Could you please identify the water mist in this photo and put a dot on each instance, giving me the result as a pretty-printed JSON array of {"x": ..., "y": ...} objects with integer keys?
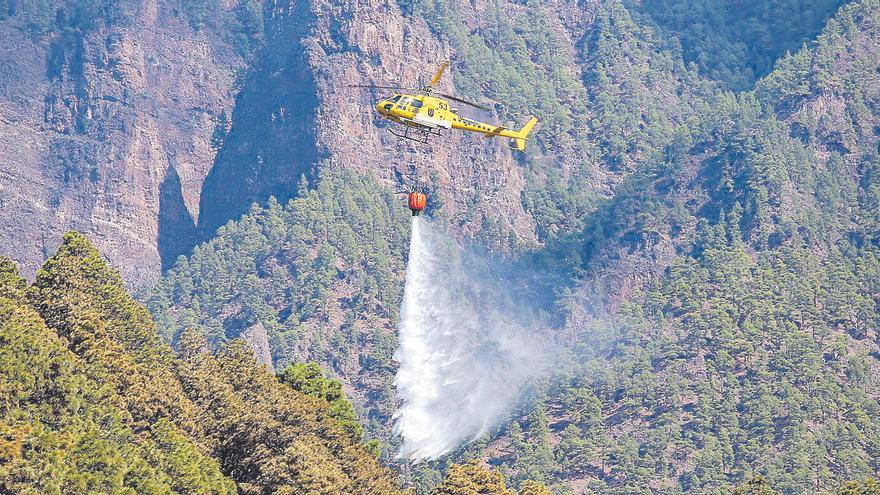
[{"x": 465, "y": 349}]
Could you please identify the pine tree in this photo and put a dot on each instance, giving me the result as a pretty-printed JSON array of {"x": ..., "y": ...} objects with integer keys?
[
  {"x": 64, "y": 429},
  {"x": 534, "y": 488},
  {"x": 755, "y": 486},
  {"x": 309, "y": 379},
  {"x": 471, "y": 479},
  {"x": 868, "y": 487}
]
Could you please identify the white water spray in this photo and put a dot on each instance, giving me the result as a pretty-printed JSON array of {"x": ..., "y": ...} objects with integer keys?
[{"x": 463, "y": 357}]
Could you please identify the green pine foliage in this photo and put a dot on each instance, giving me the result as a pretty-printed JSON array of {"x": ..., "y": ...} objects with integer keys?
[
  {"x": 755, "y": 486},
  {"x": 322, "y": 274},
  {"x": 93, "y": 401},
  {"x": 309, "y": 379},
  {"x": 643, "y": 97},
  {"x": 65, "y": 428},
  {"x": 738, "y": 232},
  {"x": 534, "y": 488},
  {"x": 736, "y": 42},
  {"x": 276, "y": 439},
  {"x": 471, "y": 479},
  {"x": 868, "y": 487}
]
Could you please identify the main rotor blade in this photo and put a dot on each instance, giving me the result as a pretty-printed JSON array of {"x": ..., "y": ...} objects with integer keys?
[
  {"x": 373, "y": 86},
  {"x": 439, "y": 73},
  {"x": 455, "y": 98}
]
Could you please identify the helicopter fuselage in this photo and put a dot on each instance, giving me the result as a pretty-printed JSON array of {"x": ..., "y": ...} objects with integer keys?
[
  {"x": 432, "y": 113},
  {"x": 425, "y": 114}
]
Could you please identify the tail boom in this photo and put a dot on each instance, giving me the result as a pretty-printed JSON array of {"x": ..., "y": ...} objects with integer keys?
[{"x": 519, "y": 137}]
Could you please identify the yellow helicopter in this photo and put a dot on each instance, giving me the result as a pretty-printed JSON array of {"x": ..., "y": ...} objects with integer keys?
[{"x": 424, "y": 115}]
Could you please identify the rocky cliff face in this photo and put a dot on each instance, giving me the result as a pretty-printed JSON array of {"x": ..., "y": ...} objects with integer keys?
[
  {"x": 379, "y": 45},
  {"x": 107, "y": 130},
  {"x": 147, "y": 130},
  {"x": 313, "y": 53}
]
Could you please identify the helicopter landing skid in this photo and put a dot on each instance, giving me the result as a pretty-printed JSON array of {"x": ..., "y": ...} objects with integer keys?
[{"x": 418, "y": 135}]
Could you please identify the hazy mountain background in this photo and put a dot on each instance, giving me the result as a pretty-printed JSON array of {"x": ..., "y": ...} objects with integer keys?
[{"x": 698, "y": 214}]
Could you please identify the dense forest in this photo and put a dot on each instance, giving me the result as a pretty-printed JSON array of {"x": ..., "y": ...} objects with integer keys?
[
  {"x": 752, "y": 347},
  {"x": 702, "y": 201},
  {"x": 95, "y": 402},
  {"x": 735, "y": 43},
  {"x": 323, "y": 288}
]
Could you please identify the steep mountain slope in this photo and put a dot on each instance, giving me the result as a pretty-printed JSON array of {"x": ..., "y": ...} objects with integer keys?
[
  {"x": 723, "y": 300},
  {"x": 736, "y": 42},
  {"x": 108, "y": 109},
  {"x": 94, "y": 402},
  {"x": 750, "y": 342},
  {"x": 475, "y": 178},
  {"x": 713, "y": 255},
  {"x": 150, "y": 124},
  {"x": 161, "y": 121},
  {"x": 319, "y": 278}
]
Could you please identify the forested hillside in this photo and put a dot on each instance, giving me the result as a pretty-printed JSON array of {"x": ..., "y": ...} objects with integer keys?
[
  {"x": 745, "y": 340},
  {"x": 722, "y": 300},
  {"x": 318, "y": 277},
  {"x": 736, "y": 43},
  {"x": 697, "y": 218},
  {"x": 95, "y": 402}
]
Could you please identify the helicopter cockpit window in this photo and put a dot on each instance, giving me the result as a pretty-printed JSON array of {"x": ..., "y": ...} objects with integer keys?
[
  {"x": 395, "y": 99},
  {"x": 417, "y": 104}
]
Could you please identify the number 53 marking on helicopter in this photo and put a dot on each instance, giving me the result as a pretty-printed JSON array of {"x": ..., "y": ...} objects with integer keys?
[{"x": 423, "y": 114}]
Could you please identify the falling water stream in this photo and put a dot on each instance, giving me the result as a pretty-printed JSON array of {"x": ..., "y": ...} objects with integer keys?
[{"x": 463, "y": 358}]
